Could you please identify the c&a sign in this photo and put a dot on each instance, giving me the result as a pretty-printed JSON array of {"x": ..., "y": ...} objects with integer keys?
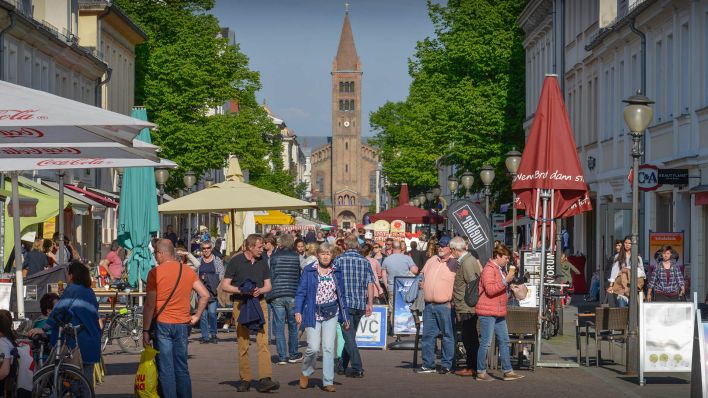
[{"x": 648, "y": 177}]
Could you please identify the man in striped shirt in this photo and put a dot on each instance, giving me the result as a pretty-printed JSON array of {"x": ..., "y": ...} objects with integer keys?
[{"x": 359, "y": 298}]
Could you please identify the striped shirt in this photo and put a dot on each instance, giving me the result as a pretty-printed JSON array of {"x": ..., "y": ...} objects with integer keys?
[{"x": 357, "y": 274}]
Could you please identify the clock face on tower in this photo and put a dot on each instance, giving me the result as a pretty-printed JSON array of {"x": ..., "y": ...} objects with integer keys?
[{"x": 346, "y": 123}]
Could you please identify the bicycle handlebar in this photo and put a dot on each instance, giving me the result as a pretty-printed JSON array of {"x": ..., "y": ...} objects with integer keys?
[{"x": 557, "y": 284}]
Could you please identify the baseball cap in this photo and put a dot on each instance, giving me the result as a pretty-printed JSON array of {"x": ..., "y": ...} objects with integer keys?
[{"x": 444, "y": 241}]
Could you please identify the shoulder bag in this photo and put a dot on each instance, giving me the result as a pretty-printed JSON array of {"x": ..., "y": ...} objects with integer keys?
[{"x": 153, "y": 325}]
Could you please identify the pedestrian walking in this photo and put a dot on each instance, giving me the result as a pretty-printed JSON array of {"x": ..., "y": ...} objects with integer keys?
[
  {"x": 310, "y": 254},
  {"x": 396, "y": 264},
  {"x": 167, "y": 312},
  {"x": 437, "y": 283},
  {"x": 666, "y": 283},
  {"x": 77, "y": 305},
  {"x": 210, "y": 269},
  {"x": 619, "y": 288},
  {"x": 491, "y": 310},
  {"x": 285, "y": 277},
  {"x": 358, "y": 293},
  {"x": 319, "y": 307},
  {"x": 468, "y": 270},
  {"x": 250, "y": 272}
]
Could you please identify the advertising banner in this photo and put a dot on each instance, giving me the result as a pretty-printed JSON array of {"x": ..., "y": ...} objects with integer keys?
[
  {"x": 666, "y": 337},
  {"x": 398, "y": 230},
  {"x": 373, "y": 329},
  {"x": 469, "y": 219},
  {"x": 659, "y": 239},
  {"x": 403, "y": 321}
]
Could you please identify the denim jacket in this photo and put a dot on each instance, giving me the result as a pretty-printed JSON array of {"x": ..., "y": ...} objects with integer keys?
[{"x": 307, "y": 293}]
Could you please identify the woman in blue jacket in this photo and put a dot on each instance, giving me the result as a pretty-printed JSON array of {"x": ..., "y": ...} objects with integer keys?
[{"x": 319, "y": 305}]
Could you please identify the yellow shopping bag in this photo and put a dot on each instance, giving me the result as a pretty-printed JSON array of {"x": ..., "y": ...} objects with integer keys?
[{"x": 146, "y": 378}]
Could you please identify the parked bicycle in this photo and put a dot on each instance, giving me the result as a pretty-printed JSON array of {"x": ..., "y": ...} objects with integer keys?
[
  {"x": 552, "y": 294},
  {"x": 124, "y": 325},
  {"x": 61, "y": 375}
]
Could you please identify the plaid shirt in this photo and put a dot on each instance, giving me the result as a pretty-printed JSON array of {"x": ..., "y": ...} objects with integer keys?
[
  {"x": 357, "y": 274},
  {"x": 658, "y": 281}
]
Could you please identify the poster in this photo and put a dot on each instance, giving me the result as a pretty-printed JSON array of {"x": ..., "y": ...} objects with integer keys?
[
  {"x": 666, "y": 336},
  {"x": 403, "y": 321},
  {"x": 373, "y": 329},
  {"x": 531, "y": 264},
  {"x": 659, "y": 239}
]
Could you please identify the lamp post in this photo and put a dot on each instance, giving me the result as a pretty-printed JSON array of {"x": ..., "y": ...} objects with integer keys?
[
  {"x": 189, "y": 180},
  {"x": 487, "y": 176},
  {"x": 208, "y": 181},
  {"x": 161, "y": 176},
  {"x": 452, "y": 185},
  {"x": 467, "y": 181},
  {"x": 637, "y": 116},
  {"x": 513, "y": 159}
]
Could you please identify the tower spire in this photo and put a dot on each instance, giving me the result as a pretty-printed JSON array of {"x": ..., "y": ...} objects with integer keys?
[{"x": 347, "y": 58}]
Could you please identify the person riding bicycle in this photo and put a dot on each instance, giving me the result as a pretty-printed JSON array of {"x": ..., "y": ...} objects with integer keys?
[{"x": 78, "y": 306}]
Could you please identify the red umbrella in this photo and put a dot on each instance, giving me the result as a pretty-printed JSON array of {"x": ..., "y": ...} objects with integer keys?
[
  {"x": 550, "y": 161},
  {"x": 407, "y": 213}
]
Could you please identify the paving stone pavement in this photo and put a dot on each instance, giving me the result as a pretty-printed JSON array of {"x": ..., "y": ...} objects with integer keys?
[{"x": 214, "y": 373}]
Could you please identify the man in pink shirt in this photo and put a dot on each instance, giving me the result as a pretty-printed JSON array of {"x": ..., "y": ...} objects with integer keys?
[{"x": 438, "y": 280}]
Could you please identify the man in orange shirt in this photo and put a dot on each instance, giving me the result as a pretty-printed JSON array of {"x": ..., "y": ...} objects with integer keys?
[
  {"x": 169, "y": 287},
  {"x": 438, "y": 280}
]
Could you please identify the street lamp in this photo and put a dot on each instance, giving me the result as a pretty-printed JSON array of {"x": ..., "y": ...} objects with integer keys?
[
  {"x": 513, "y": 159},
  {"x": 161, "y": 177},
  {"x": 452, "y": 184},
  {"x": 208, "y": 181},
  {"x": 637, "y": 116},
  {"x": 467, "y": 181},
  {"x": 487, "y": 176}
]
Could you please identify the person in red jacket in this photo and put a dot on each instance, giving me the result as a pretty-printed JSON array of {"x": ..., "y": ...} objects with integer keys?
[{"x": 491, "y": 310}]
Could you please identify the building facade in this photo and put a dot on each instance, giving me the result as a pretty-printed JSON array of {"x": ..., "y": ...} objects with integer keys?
[
  {"x": 596, "y": 48},
  {"x": 344, "y": 170}
]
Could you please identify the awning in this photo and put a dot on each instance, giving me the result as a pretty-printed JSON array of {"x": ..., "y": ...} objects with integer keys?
[
  {"x": 28, "y": 206},
  {"x": 77, "y": 206},
  {"x": 98, "y": 210},
  {"x": 94, "y": 196},
  {"x": 275, "y": 217}
]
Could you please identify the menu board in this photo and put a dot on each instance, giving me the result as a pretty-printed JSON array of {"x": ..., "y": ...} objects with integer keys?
[{"x": 666, "y": 337}]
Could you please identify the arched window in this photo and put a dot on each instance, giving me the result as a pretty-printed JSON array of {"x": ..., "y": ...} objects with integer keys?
[
  {"x": 346, "y": 145},
  {"x": 353, "y": 201},
  {"x": 341, "y": 86},
  {"x": 340, "y": 200},
  {"x": 351, "y": 87},
  {"x": 341, "y": 105},
  {"x": 346, "y": 168},
  {"x": 351, "y": 105}
]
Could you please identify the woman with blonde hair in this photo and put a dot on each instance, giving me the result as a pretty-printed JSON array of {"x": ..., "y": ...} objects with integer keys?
[{"x": 310, "y": 255}]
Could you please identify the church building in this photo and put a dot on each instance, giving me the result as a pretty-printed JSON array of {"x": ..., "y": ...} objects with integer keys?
[{"x": 344, "y": 170}]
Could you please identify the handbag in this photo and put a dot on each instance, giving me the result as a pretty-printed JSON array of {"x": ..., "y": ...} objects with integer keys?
[
  {"x": 327, "y": 311},
  {"x": 152, "y": 332}
]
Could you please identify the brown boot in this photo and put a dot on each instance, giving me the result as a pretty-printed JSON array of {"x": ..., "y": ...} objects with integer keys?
[
  {"x": 329, "y": 388},
  {"x": 304, "y": 381}
]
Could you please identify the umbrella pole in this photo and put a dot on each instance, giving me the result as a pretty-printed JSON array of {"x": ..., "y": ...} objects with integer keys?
[
  {"x": 60, "y": 251},
  {"x": 19, "y": 286},
  {"x": 544, "y": 197},
  {"x": 535, "y": 222},
  {"x": 233, "y": 231}
]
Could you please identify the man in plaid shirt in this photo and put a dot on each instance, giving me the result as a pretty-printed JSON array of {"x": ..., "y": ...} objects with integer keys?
[{"x": 359, "y": 298}]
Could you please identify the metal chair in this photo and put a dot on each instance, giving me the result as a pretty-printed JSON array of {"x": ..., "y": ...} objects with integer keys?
[{"x": 522, "y": 324}]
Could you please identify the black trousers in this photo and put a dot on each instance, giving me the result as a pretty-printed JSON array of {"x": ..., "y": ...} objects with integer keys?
[{"x": 467, "y": 324}]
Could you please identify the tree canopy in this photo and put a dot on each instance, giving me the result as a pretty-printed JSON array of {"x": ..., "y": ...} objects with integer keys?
[
  {"x": 186, "y": 69},
  {"x": 465, "y": 105}
]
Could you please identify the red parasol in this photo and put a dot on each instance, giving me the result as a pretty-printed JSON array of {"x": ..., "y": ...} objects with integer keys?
[
  {"x": 550, "y": 161},
  {"x": 407, "y": 213}
]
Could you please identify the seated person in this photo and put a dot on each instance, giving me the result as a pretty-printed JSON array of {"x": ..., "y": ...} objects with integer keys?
[{"x": 46, "y": 305}]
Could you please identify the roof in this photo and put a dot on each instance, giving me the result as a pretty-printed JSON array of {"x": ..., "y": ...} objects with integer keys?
[{"x": 347, "y": 58}]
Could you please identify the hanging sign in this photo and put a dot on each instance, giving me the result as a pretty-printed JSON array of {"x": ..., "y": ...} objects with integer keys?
[{"x": 468, "y": 219}]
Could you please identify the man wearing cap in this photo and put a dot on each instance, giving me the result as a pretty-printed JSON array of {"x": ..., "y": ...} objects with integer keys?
[{"x": 437, "y": 283}]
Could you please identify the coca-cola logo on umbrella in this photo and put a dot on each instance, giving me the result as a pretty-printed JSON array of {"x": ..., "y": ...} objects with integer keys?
[
  {"x": 72, "y": 162},
  {"x": 40, "y": 151},
  {"x": 24, "y": 132},
  {"x": 20, "y": 114}
]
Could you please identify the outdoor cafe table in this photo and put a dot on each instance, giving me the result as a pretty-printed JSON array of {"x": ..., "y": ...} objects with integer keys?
[{"x": 106, "y": 308}]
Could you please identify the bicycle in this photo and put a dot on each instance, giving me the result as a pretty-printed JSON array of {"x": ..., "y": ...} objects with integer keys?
[
  {"x": 551, "y": 319},
  {"x": 124, "y": 325},
  {"x": 59, "y": 377}
]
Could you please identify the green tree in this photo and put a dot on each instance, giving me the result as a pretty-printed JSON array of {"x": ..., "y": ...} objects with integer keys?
[
  {"x": 322, "y": 213},
  {"x": 183, "y": 70},
  {"x": 466, "y": 101}
]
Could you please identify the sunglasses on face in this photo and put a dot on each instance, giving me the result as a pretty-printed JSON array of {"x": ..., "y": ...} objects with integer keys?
[{"x": 206, "y": 248}]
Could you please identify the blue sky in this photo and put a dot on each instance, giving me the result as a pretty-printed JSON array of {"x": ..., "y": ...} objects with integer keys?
[{"x": 292, "y": 44}]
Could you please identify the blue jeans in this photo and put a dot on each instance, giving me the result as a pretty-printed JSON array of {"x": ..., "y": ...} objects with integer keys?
[
  {"x": 284, "y": 311},
  {"x": 351, "y": 351},
  {"x": 207, "y": 324},
  {"x": 487, "y": 326},
  {"x": 324, "y": 332},
  {"x": 172, "y": 368},
  {"x": 437, "y": 319}
]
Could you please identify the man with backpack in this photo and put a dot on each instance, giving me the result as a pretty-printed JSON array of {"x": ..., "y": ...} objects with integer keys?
[{"x": 468, "y": 271}]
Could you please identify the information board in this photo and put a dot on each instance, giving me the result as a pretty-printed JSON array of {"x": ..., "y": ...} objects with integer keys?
[
  {"x": 665, "y": 337},
  {"x": 373, "y": 329},
  {"x": 403, "y": 321}
]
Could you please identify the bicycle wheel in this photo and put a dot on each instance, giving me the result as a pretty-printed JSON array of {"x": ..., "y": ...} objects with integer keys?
[
  {"x": 73, "y": 383},
  {"x": 547, "y": 325},
  {"x": 129, "y": 332},
  {"x": 105, "y": 336}
]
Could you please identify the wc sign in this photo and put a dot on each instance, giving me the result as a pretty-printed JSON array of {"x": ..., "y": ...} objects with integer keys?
[{"x": 648, "y": 177}]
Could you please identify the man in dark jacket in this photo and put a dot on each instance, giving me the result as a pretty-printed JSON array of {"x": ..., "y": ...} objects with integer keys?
[{"x": 285, "y": 274}]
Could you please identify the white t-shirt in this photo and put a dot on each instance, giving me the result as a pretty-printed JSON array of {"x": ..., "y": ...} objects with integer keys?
[{"x": 616, "y": 270}]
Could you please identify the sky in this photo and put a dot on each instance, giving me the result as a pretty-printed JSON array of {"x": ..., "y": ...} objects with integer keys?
[{"x": 292, "y": 44}]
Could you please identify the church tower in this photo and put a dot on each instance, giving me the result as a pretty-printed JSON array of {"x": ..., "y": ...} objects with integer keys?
[{"x": 344, "y": 171}]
